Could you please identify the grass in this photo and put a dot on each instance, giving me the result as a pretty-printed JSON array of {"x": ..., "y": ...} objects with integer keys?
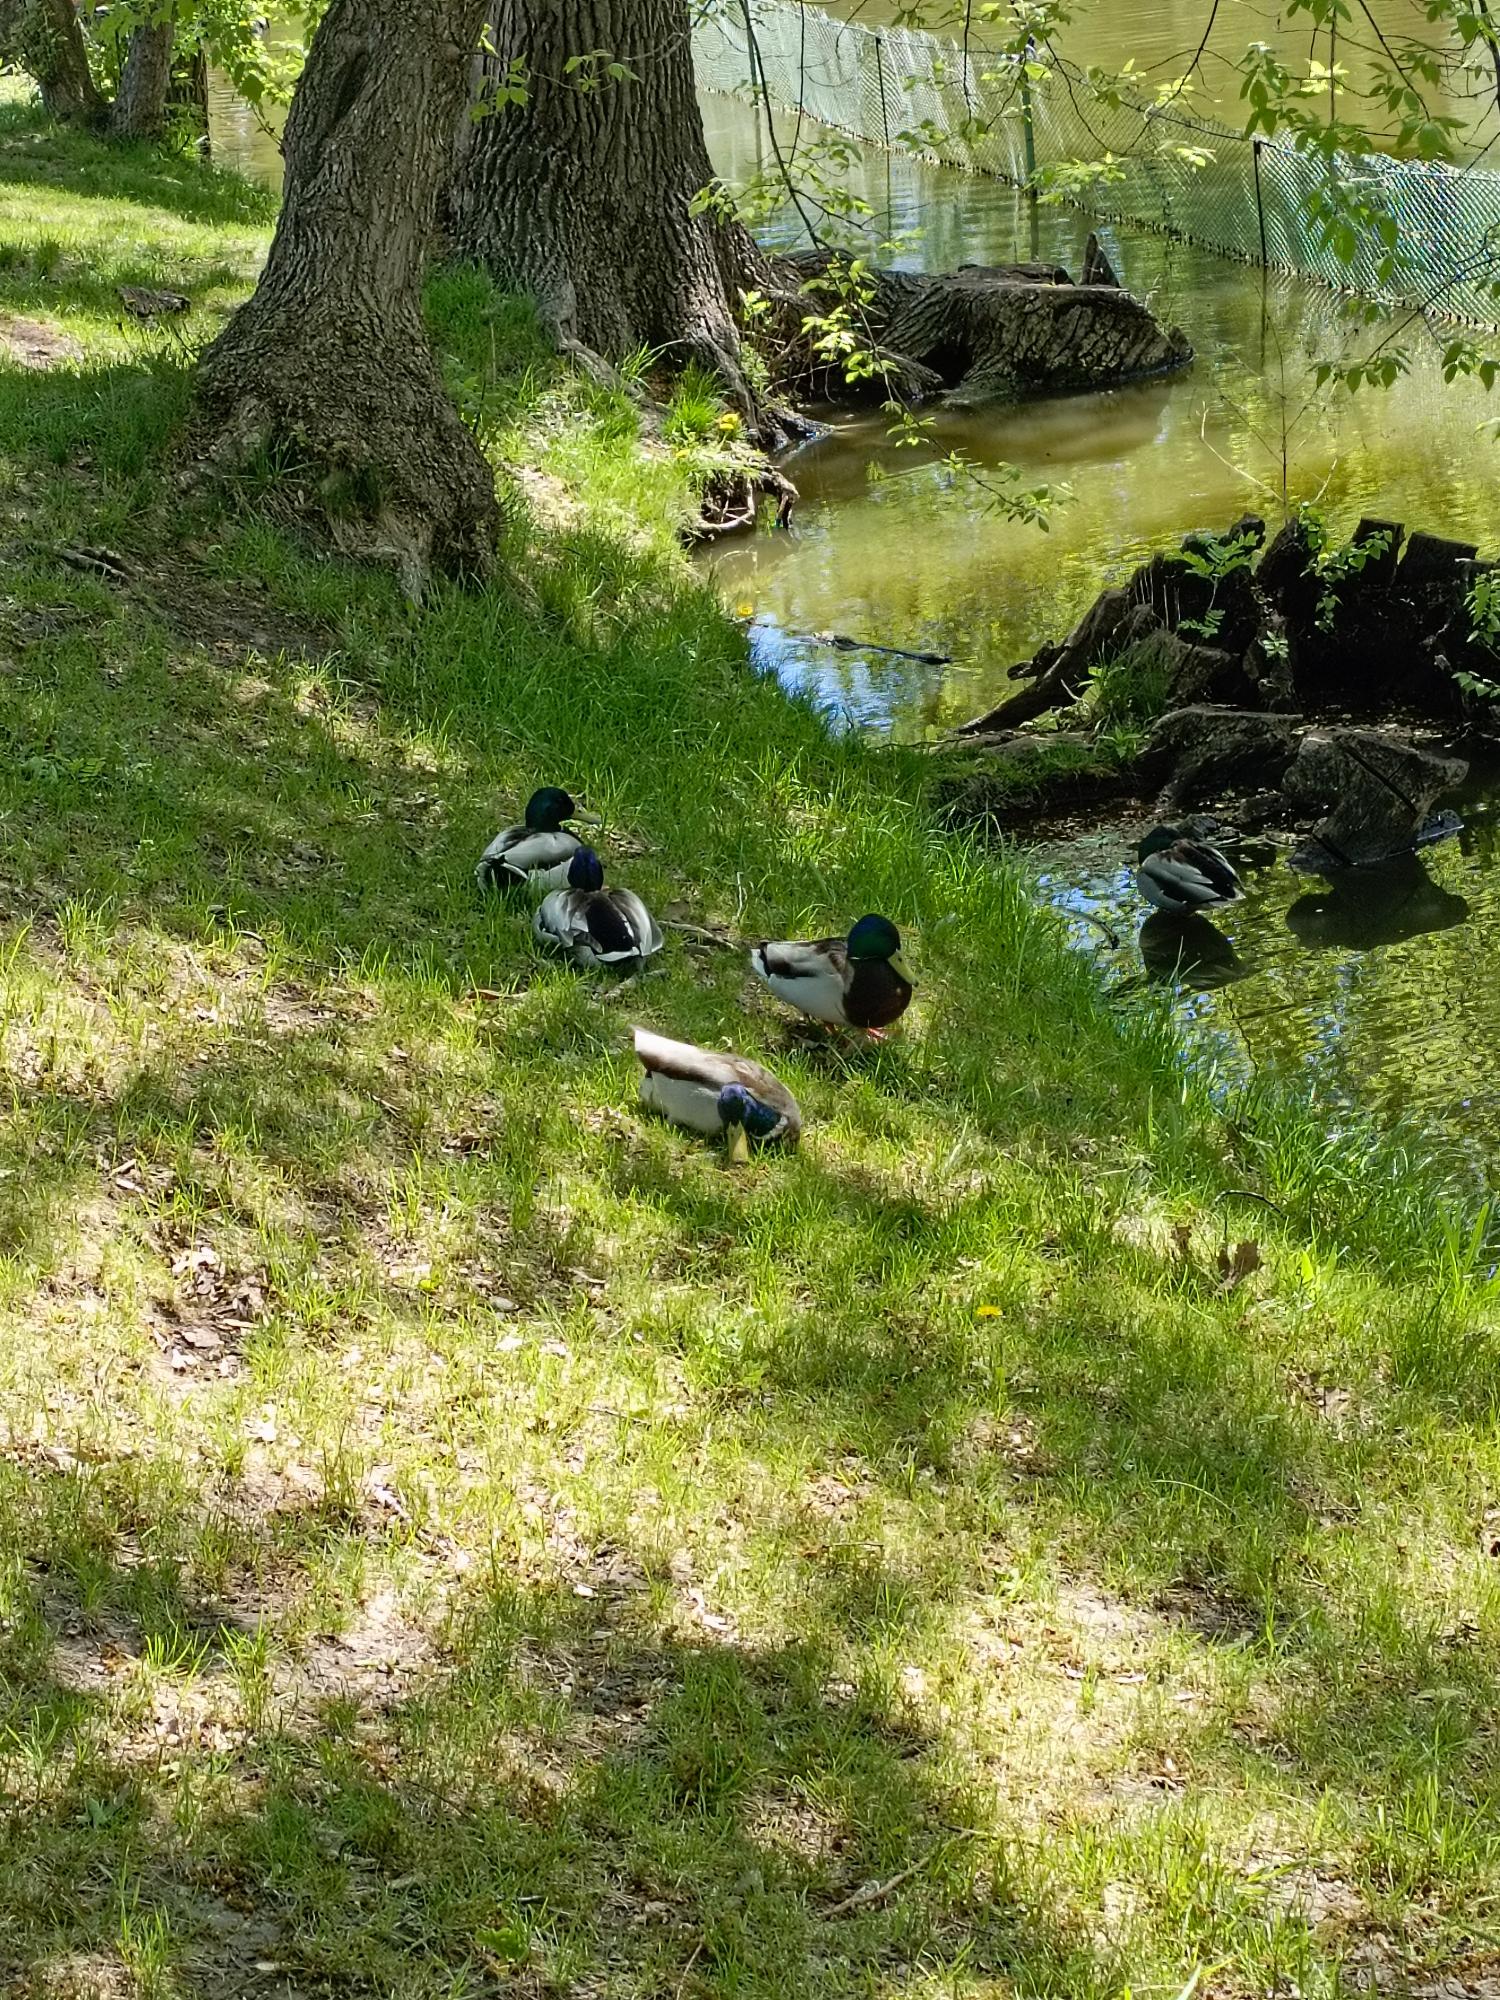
[
  {"x": 1129, "y": 691},
  {"x": 455, "y": 1537}
]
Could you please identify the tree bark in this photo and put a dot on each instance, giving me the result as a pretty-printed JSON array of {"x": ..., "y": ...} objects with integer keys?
[
  {"x": 140, "y": 109},
  {"x": 583, "y": 195},
  {"x": 45, "y": 39},
  {"x": 326, "y": 373}
]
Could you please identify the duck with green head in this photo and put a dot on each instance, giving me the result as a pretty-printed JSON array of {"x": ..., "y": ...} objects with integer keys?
[
  {"x": 858, "y": 981},
  {"x": 720, "y": 1095},
  {"x": 535, "y": 854},
  {"x": 1182, "y": 874}
]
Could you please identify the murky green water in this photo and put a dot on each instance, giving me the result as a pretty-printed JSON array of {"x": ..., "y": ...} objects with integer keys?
[
  {"x": 244, "y": 136},
  {"x": 1379, "y": 991},
  {"x": 1161, "y": 38},
  {"x": 888, "y": 546},
  {"x": 1382, "y": 990}
]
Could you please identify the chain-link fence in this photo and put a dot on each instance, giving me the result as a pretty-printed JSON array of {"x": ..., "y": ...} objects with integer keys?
[{"x": 1264, "y": 200}]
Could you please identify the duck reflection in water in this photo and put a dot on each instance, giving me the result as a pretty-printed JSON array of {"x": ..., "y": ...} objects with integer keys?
[
  {"x": 1188, "y": 951},
  {"x": 1363, "y": 908}
]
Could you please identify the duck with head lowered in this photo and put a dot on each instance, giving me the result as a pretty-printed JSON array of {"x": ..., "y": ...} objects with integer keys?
[
  {"x": 856, "y": 981},
  {"x": 537, "y": 852},
  {"x": 720, "y": 1095},
  {"x": 1183, "y": 874},
  {"x": 599, "y": 929}
]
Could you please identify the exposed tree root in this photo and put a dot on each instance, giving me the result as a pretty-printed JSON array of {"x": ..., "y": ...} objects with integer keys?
[{"x": 731, "y": 501}]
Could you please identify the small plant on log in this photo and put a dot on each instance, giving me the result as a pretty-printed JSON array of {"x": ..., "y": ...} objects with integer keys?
[
  {"x": 1216, "y": 558},
  {"x": 1334, "y": 567},
  {"x": 1129, "y": 690},
  {"x": 1482, "y": 602}
]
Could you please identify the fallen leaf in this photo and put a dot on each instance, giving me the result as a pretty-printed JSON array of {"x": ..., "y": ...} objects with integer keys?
[{"x": 1238, "y": 1264}]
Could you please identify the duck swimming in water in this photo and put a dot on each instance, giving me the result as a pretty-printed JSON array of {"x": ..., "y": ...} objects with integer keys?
[
  {"x": 597, "y": 928},
  {"x": 1182, "y": 874},
  {"x": 537, "y": 852},
  {"x": 854, "y": 982},
  {"x": 717, "y": 1094}
]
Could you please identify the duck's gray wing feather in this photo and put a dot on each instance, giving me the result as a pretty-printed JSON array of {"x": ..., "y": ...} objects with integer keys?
[
  {"x": 814, "y": 959},
  {"x": 640, "y": 920}
]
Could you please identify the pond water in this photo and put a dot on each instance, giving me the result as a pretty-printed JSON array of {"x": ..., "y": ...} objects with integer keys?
[
  {"x": 889, "y": 546},
  {"x": 245, "y": 136},
  {"x": 1381, "y": 991},
  {"x": 1161, "y": 38}
]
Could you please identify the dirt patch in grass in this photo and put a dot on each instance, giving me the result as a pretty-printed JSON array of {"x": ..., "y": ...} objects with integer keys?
[
  {"x": 82, "y": 1975},
  {"x": 38, "y": 343}
]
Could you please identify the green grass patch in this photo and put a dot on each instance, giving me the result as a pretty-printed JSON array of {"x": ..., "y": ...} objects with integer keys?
[
  {"x": 457, "y": 1538},
  {"x": 1129, "y": 691}
]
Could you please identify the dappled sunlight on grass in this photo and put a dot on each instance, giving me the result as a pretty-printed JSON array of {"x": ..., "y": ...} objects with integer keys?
[{"x": 455, "y": 1535}]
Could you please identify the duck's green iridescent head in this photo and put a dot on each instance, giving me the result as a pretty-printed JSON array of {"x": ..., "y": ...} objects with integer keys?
[
  {"x": 875, "y": 940},
  {"x": 1158, "y": 838},
  {"x": 549, "y": 809},
  {"x": 874, "y": 937}
]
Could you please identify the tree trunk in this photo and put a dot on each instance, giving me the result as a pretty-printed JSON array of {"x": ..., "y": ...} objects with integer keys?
[
  {"x": 45, "y": 39},
  {"x": 140, "y": 110},
  {"x": 583, "y": 195},
  {"x": 327, "y": 372}
]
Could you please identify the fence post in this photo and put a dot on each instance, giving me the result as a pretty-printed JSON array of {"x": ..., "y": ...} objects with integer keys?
[
  {"x": 1028, "y": 130},
  {"x": 885, "y": 136},
  {"x": 1260, "y": 207},
  {"x": 1028, "y": 135}
]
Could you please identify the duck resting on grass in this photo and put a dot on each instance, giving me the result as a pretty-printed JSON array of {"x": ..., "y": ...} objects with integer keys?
[
  {"x": 716, "y": 1094},
  {"x": 1182, "y": 875},
  {"x": 599, "y": 929},
  {"x": 853, "y": 982},
  {"x": 537, "y": 852}
]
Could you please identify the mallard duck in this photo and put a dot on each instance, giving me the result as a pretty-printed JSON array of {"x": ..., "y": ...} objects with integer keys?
[
  {"x": 596, "y": 926},
  {"x": 856, "y": 982},
  {"x": 536, "y": 852},
  {"x": 708, "y": 1091},
  {"x": 1180, "y": 874}
]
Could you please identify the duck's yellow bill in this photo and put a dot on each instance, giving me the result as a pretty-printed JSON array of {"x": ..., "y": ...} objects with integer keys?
[
  {"x": 739, "y": 1146},
  {"x": 898, "y": 966}
]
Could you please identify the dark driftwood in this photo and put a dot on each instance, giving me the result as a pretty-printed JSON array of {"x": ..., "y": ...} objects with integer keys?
[
  {"x": 1002, "y": 330},
  {"x": 1376, "y": 793},
  {"x": 984, "y": 331}
]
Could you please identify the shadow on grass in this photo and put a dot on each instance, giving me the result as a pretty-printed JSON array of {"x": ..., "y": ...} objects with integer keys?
[
  {"x": 570, "y": 1783},
  {"x": 585, "y": 1795},
  {"x": 36, "y": 152}
]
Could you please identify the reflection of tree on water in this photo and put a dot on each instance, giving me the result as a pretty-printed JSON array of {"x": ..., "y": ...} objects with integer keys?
[
  {"x": 1188, "y": 951},
  {"x": 1364, "y": 908}
]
